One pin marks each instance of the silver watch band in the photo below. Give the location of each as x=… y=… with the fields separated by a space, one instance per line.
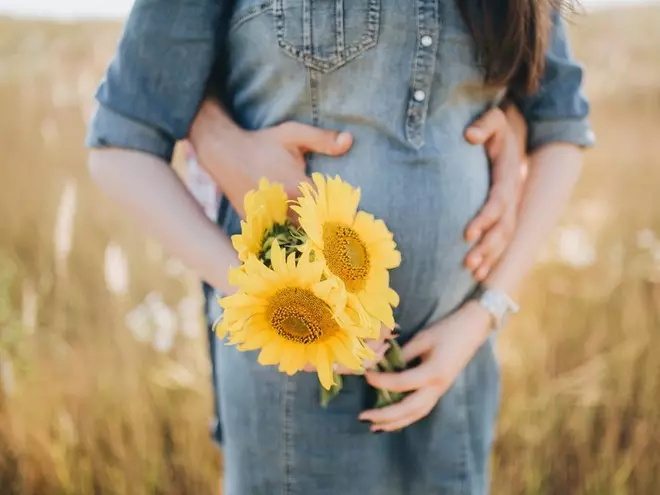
x=497 y=303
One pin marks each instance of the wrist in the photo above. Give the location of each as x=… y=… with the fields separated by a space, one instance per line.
x=217 y=139
x=483 y=320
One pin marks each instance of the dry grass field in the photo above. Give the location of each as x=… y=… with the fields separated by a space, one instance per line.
x=104 y=379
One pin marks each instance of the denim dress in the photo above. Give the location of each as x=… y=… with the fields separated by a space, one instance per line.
x=403 y=77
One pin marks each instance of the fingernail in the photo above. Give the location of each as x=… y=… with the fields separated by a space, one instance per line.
x=376 y=432
x=474 y=261
x=343 y=138
x=476 y=133
x=473 y=235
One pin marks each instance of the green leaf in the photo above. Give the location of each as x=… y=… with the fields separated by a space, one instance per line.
x=394 y=355
x=328 y=395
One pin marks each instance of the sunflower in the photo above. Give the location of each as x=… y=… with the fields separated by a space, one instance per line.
x=265 y=208
x=353 y=245
x=294 y=314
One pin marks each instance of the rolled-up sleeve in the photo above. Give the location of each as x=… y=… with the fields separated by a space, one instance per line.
x=157 y=79
x=558 y=111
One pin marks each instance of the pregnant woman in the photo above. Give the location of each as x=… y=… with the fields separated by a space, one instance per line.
x=403 y=79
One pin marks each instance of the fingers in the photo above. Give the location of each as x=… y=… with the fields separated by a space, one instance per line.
x=380 y=351
x=490 y=250
x=307 y=138
x=404 y=413
x=404 y=381
x=420 y=344
x=492 y=124
x=489 y=215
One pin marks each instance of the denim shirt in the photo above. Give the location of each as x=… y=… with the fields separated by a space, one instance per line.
x=410 y=55
x=402 y=76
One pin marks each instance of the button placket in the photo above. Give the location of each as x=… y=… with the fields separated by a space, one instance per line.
x=423 y=68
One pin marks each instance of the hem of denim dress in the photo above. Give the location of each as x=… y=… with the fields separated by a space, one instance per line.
x=573 y=131
x=109 y=129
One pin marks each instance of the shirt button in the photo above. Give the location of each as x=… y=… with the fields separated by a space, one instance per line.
x=419 y=95
x=427 y=40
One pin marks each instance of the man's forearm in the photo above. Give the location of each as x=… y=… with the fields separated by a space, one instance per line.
x=153 y=194
x=553 y=172
x=220 y=147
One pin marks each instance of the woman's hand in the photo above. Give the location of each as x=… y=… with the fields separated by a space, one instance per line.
x=236 y=159
x=444 y=349
x=504 y=137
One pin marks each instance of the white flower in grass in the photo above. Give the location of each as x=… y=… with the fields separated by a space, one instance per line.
x=116 y=269
x=575 y=247
x=138 y=321
x=189 y=311
x=29 y=307
x=164 y=320
x=64 y=222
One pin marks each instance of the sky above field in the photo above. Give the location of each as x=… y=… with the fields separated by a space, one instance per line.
x=118 y=8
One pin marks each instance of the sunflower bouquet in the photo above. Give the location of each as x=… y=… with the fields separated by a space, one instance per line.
x=316 y=292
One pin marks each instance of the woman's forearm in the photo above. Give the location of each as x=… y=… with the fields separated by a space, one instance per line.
x=553 y=172
x=152 y=193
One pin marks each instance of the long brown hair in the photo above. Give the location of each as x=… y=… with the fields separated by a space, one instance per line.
x=511 y=37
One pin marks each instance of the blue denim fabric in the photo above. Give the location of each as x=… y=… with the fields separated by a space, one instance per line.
x=403 y=78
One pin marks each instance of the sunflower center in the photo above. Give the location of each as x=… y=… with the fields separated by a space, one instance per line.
x=298 y=315
x=346 y=255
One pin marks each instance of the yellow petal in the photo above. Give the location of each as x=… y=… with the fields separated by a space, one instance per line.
x=324 y=367
x=277 y=259
x=393 y=298
x=344 y=353
x=379 y=308
x=270 y=354
x=240 y=300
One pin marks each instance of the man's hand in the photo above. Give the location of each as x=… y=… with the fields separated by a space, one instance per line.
x=236 y=159
x=503 y=136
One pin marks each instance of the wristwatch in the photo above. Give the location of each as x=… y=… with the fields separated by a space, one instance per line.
x=497 y=303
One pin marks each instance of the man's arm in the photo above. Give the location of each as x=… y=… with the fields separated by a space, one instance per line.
x=153 y=195
x=154 y=85
x=150 y=94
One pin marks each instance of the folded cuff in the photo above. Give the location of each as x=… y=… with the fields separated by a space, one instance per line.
x=109 y=129
x=574 y=131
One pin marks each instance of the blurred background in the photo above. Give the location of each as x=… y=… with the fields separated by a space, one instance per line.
x=104 y=375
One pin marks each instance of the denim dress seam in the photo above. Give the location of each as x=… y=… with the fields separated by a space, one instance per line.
x=463 y=465
x=288 y=395
x=313 y=97
x=339 y=28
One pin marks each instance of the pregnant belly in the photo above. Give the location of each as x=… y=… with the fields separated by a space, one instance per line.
x=427 y=200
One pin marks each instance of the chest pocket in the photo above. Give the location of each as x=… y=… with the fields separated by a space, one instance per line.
x=326 y=34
